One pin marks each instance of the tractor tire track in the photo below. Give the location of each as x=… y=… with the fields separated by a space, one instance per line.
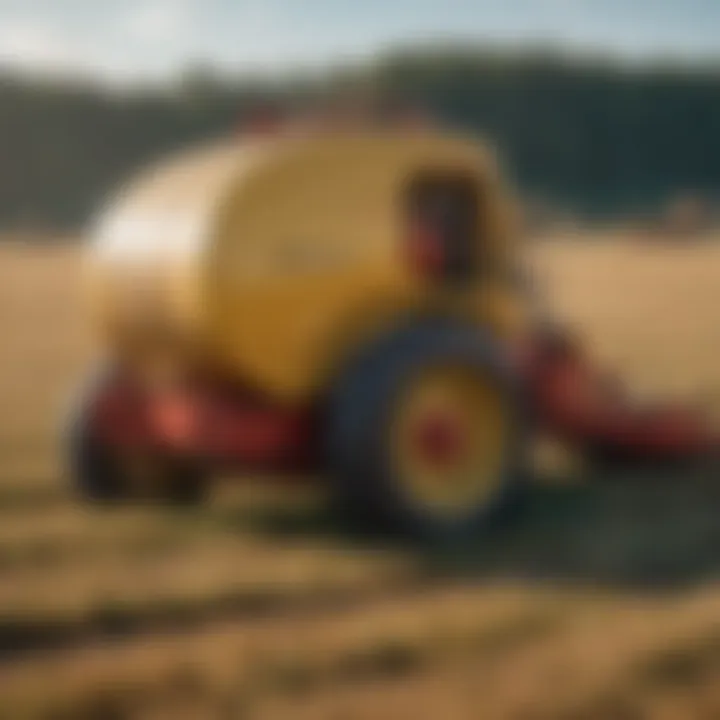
x=23 y=637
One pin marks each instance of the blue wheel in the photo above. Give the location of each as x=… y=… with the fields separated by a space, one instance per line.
x=427 y=432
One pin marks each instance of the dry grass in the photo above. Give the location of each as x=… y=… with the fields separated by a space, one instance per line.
x=599 y=602
x=648 y=309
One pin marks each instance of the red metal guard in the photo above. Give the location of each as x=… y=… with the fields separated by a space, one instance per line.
x=222 y=424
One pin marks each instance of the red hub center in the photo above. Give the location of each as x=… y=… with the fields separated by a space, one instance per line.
x=439 y=439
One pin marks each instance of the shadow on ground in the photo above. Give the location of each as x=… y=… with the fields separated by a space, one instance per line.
x=639 y=532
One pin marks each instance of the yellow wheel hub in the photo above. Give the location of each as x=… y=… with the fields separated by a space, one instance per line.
x=449 y=438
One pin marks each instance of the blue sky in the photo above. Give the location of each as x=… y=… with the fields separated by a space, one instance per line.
x=121 y=39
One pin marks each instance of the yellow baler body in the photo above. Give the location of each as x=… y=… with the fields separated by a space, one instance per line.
x=272 y=259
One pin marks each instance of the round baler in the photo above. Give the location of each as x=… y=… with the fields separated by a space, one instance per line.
x=340 y=304
x=331 y=303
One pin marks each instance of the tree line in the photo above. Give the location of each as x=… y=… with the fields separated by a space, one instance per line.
x=594 y=136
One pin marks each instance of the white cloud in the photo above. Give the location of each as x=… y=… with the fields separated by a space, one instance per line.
x=159 y=21
x=37 y=46
x=149 y=39
x=125 y=39
x=33 y=44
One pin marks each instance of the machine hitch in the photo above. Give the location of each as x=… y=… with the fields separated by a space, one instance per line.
x=591 y=410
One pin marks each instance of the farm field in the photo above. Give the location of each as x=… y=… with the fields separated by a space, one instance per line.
x=598 y=601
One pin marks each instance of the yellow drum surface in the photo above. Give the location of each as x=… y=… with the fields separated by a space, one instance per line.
x=268 y=257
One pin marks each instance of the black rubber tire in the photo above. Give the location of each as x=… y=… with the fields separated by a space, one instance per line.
x=99 y=474
x=89 y=464
x=362 y=483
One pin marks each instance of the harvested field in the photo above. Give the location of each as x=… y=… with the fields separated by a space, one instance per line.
x=598 y=601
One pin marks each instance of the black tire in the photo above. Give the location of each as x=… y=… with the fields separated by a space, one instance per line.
x=89 y=463
x=100 y=474
x=362 y=481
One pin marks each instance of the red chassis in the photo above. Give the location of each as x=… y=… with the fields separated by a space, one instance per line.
x=570 y=398
x=223 y=425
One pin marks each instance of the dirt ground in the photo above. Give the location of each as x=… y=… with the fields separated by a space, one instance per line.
x=600 y=600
